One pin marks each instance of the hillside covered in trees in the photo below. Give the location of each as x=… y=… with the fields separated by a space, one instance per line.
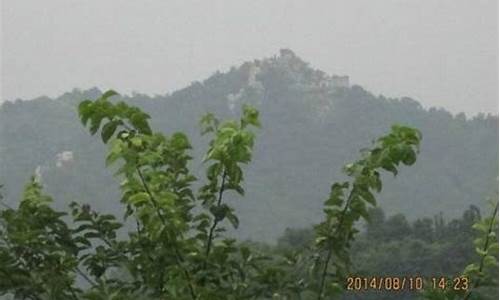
x=312 y=124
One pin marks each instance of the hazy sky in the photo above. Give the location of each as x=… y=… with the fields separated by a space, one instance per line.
x=440 y=52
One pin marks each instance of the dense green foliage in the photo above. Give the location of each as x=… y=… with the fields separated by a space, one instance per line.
x=427 y=247
x=306 y=126
x=176 y=248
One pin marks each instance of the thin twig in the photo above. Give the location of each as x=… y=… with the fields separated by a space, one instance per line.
x=216 y=221
x=84 y=276
x=151 y=197
x=330 y=251
x=485 y=248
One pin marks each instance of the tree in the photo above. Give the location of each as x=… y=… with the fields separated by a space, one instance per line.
x=171 y=245
x=478 y=276
x=422 y=229
x=397 y=227
x=375 y=224
x=296 y=238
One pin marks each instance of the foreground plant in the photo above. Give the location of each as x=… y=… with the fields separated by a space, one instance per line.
x=177 y=249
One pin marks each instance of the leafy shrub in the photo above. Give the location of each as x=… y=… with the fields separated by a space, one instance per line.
x=176 y=248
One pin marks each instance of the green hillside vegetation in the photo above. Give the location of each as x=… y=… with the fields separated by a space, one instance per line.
x=311 y=128
x=178 y=248
x=391 y=246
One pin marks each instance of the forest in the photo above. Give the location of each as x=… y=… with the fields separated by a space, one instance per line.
x=279 y=198
x=304 y=128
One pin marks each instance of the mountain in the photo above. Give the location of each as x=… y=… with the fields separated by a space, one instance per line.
x=313 y=123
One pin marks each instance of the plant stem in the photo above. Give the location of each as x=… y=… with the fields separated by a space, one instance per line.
x=151 y=197
x=178 y=257
x=84 y=276
x=330 y=251
x=485 y=248
x=216 y=221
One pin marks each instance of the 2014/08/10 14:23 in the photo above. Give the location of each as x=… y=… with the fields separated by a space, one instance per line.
x=402 y=283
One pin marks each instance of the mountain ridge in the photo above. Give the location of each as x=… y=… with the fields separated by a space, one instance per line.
x=310 y=130
x=286 y=56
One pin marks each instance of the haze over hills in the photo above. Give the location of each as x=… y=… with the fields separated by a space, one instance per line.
x=313 y=124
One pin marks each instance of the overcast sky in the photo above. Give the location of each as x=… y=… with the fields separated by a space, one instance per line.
x=441 y=52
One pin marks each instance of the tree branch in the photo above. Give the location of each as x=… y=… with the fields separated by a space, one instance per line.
x=330 y=251
x=84 y=276
x=485 y=248
x=178 y=257
x=216 y=221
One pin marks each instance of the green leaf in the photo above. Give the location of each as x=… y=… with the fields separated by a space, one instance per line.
x=233 y=219
x=239 y=189
x=337 y=194
x=214 y=170
x=471 y=268
x=167 y=199
x=139 y=121
x=368 y=196
x=219 y=212
x=109 y=93
x=208 y=123
x=250 y=116
x=85 y=111
x=320 y=240
x=136 y=141
x=481 y=226
x=493 y=248
x=490 y=261
x=481 y=252
x=180 y=141
x=139 y=199
x=389 y=166
x=109 y=129
x=409 y=157
x=95 y=122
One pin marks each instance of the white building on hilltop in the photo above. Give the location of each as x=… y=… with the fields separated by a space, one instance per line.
x=335 y=82
x=64 y=158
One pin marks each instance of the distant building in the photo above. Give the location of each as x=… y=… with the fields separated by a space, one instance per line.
x=335 y=82
x=340 y=81
x=64 y=158
x=253 y=71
